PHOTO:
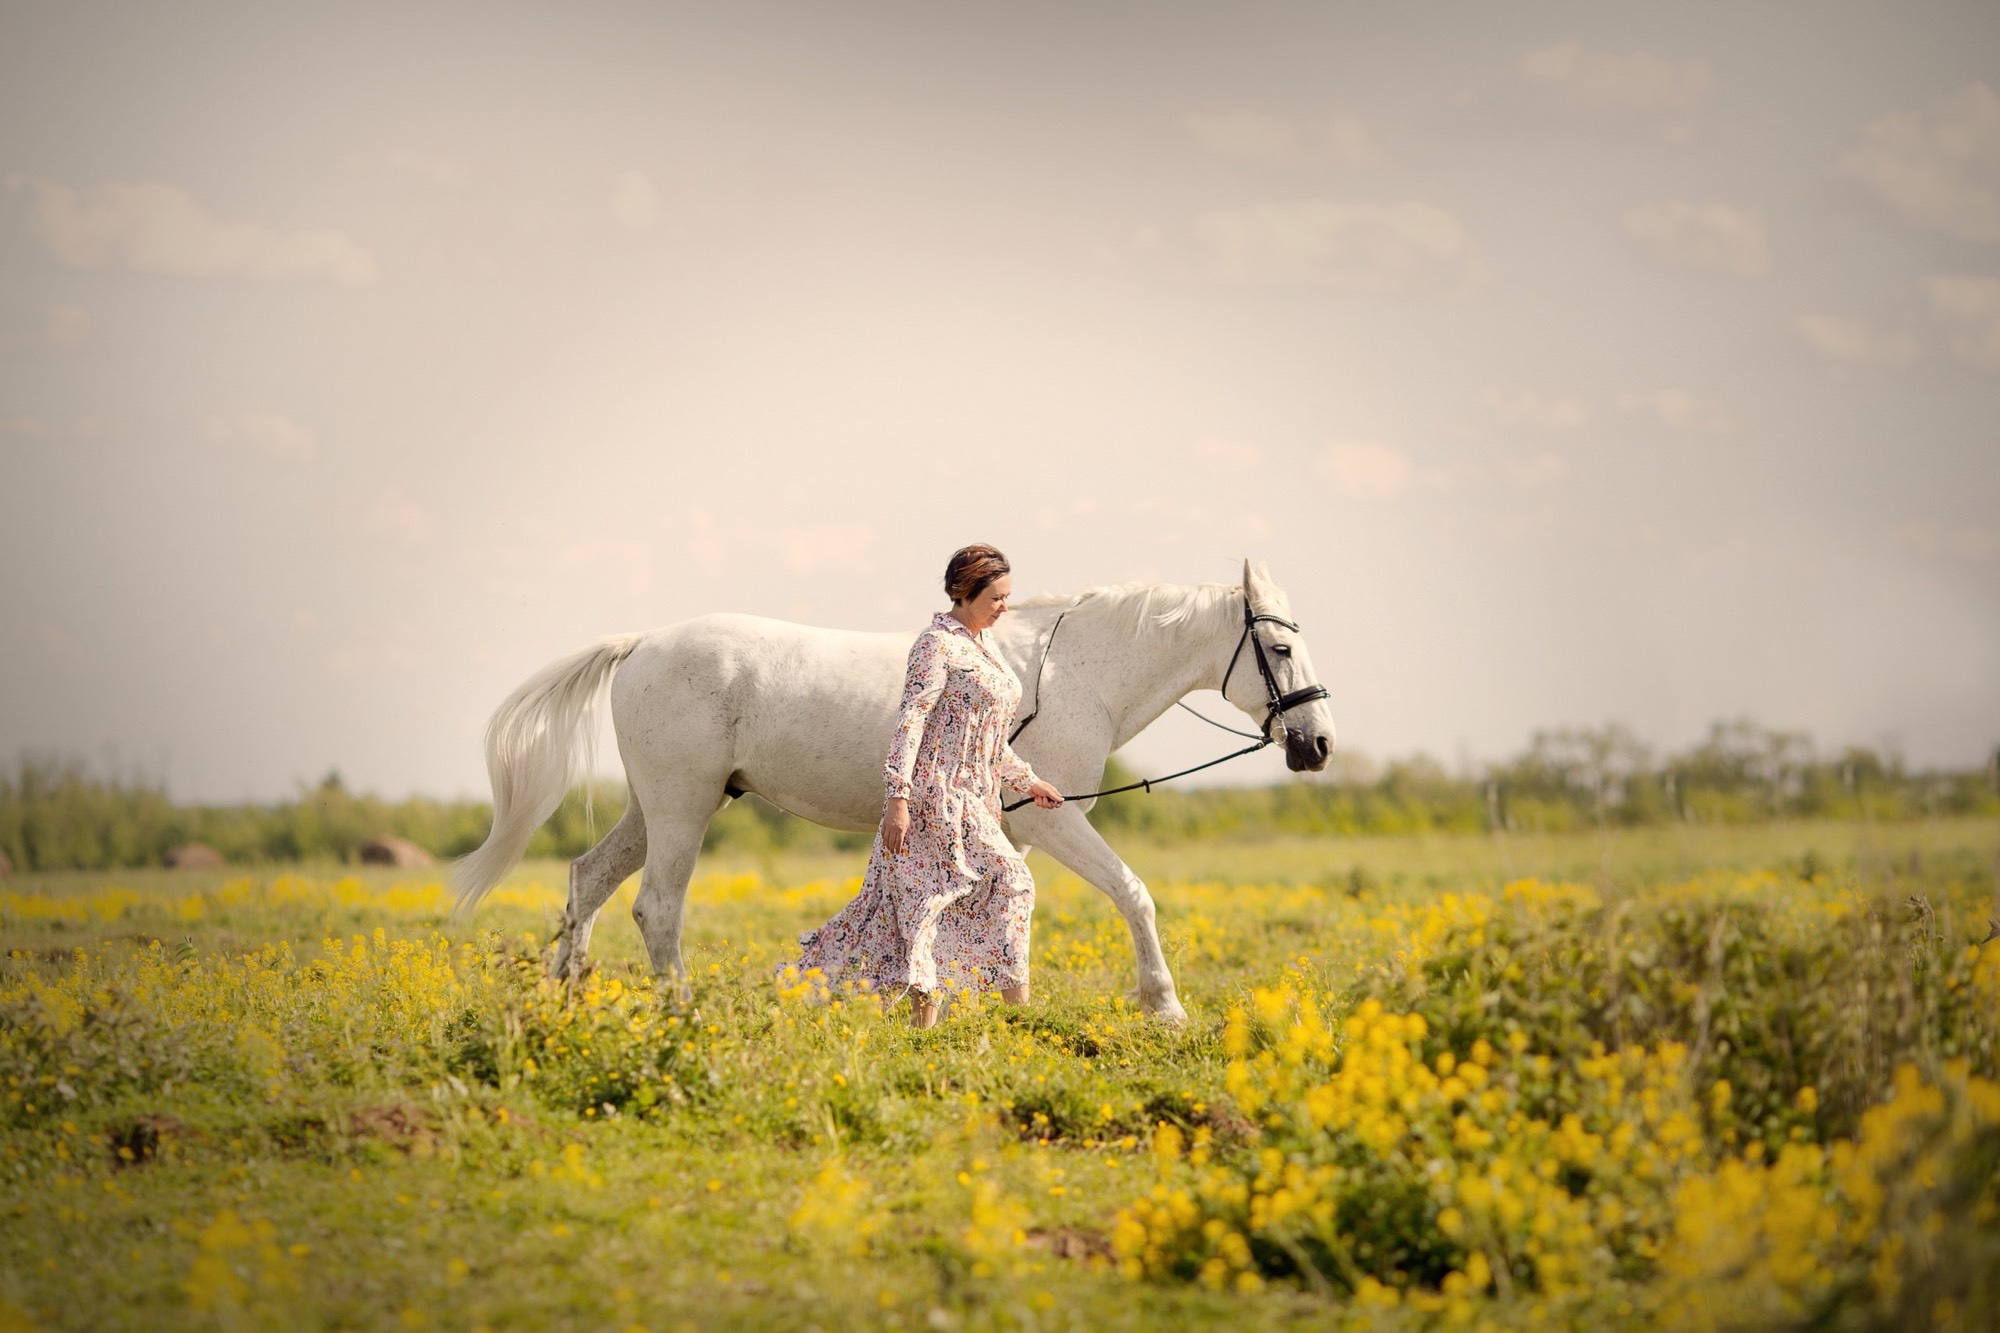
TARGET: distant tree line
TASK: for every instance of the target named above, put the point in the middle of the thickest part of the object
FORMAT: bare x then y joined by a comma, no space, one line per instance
56,814
1574,778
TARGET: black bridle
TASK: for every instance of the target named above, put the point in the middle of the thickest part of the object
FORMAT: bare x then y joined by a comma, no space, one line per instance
1281,702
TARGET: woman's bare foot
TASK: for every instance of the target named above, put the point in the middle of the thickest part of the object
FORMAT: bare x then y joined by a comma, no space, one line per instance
923,1010
1014,994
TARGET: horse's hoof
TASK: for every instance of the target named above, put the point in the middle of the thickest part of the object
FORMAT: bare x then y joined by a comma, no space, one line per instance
1169,1013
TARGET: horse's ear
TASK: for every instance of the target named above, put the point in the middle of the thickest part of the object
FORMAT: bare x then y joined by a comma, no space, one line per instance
1256,581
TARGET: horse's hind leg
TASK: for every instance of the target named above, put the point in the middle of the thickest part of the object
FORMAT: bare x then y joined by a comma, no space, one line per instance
673,843
681,791
593,878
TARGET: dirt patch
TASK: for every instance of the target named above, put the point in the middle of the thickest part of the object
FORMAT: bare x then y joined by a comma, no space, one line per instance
1221,1117
1229,1124
139,1142
410,1130
295,1133
1072,1243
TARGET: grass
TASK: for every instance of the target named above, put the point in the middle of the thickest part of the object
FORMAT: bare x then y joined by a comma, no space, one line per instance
222,1109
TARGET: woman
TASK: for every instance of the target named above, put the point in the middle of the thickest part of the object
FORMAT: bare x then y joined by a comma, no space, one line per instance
946,896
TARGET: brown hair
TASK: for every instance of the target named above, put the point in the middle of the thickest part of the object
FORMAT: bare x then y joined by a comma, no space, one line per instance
970,569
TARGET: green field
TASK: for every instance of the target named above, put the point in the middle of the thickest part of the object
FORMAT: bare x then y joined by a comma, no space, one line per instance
1672,1076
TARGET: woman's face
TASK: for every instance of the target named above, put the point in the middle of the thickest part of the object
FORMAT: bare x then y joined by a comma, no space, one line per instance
983,609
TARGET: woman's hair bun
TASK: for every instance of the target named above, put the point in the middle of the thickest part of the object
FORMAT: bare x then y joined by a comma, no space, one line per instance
970,569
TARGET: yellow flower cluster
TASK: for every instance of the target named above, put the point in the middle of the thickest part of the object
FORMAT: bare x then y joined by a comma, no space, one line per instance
1401,1171
239,1266
996,1224
602,1048
143,1019
295,895
303,896
1403,1111
1766,1241
835,1208
572,1167
1444,1174
366,1012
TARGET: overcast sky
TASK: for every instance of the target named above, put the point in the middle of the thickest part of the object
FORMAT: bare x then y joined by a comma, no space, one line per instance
1569,363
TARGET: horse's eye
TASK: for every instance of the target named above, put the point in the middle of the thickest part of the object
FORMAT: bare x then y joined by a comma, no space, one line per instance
1282,649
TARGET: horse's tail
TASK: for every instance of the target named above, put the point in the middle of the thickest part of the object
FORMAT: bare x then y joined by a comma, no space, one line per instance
537,744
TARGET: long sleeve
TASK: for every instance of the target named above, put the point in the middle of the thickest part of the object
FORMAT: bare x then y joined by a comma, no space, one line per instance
923,684
1014,771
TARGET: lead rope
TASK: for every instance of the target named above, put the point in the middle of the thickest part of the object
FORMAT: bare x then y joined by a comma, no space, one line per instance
1148,783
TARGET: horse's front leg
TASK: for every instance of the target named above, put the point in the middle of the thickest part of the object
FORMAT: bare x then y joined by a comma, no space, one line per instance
1067,836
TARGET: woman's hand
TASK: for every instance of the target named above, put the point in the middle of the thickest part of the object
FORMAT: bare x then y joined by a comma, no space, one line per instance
896,826
1044,794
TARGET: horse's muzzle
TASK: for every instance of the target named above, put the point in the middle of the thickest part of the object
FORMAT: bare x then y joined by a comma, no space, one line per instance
1306,753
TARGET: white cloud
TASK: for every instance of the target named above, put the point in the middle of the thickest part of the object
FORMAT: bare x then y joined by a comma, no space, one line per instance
1938,166
384,657
1365,470
1679,410
59,645
635,204
1535,472
1929,538
1528,410
35,428
394,516
160,229
1842,339
1970,309
1259,139
1701,236
1073,511
1149,241
1574,75
1370,470
822,546
1385,248
437,168
67,327
1232,453
268,433
64,328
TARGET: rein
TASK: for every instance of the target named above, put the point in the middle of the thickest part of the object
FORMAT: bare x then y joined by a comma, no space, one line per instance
1280,703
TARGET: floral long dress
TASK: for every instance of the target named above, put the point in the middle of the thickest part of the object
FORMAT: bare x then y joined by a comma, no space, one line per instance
953,906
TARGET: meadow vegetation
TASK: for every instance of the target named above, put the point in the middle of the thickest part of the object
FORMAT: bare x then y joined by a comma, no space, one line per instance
59,814
1685,1076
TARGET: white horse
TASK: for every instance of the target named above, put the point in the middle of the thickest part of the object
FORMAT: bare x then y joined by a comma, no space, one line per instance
720,705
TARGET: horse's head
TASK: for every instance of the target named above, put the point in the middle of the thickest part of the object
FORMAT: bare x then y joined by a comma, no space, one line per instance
1271,678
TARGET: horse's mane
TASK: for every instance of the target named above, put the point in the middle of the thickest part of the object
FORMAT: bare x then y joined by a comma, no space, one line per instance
1131,607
